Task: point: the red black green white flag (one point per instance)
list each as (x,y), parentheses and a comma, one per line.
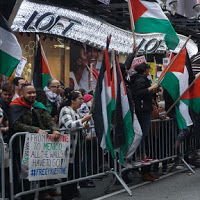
(10,50)
(41,72)
(176,82)
(103,104)
(192,97)
(148,17)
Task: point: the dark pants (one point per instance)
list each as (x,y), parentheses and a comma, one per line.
(68,191)
(144,119)
(17,180)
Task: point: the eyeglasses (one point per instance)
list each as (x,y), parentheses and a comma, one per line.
(55,86)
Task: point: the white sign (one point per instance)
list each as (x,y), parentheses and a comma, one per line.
(44,158)
(165,62)
(137,61)
(107,2)
(20,67)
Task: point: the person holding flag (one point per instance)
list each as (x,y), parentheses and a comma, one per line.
(142,95)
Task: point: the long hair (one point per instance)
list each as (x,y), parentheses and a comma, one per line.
(72,97)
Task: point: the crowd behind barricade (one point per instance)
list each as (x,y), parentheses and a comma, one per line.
(25,108)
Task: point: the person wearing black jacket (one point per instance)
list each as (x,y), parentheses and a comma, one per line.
(142,95)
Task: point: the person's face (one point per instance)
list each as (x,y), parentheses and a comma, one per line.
(7,97)
(29,94)
(92,55)
(54,87)
(146,73)
(20,83)
(61,90)
(77,102)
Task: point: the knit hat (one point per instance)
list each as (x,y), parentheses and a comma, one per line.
(87,98)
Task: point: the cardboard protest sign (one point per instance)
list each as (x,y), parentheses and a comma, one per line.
(137,61)
(44,158)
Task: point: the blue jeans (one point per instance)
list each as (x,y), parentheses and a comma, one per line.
(144,119)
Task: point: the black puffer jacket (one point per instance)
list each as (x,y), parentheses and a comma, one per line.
(142,97)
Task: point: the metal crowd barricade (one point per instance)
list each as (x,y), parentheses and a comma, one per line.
(2,169)
(160,146)
(93,162)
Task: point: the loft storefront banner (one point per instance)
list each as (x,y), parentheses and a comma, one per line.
(29,16)
(85,61)
(43,158)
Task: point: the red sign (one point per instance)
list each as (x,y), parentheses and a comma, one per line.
(137,61)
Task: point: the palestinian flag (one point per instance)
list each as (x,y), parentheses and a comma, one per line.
(176,81)
(123,127)
(103,105)
(10,50)
(192,97)
(41,72)
(148,17)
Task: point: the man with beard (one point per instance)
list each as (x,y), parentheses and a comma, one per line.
(28,115)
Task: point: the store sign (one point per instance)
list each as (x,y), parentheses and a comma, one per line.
(79,27)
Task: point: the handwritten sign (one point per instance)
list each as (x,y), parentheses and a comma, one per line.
(44,158)
(20,67)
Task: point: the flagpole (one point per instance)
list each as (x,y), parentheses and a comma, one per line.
(90,71)
(197,77)
(154,59)
(174,60)
(42,50)
(132,23)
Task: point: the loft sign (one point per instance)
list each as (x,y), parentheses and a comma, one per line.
(49,20)
(46,22)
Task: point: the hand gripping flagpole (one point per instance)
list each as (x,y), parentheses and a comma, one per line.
(172,62)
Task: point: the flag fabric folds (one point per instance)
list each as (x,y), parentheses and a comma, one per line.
(41,72)
(176,81)
(10,50)
(149,18)
(192,97)
(103,104)
(122,122)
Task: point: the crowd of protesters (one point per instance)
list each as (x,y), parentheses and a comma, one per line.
(27,109)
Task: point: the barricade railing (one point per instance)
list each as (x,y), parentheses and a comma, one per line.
(160,145)
(94,162)
(2,164)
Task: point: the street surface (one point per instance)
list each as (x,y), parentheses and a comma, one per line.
(179,186)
